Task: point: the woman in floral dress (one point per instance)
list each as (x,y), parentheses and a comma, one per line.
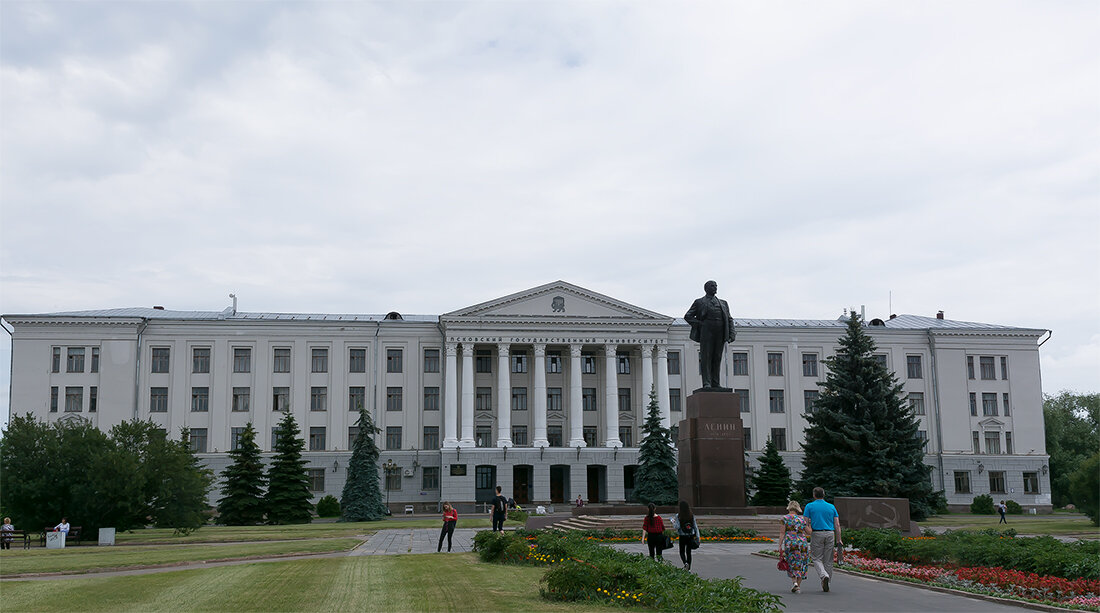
(795,544)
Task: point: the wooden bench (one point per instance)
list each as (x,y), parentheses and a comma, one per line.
(72,537)
(22,535)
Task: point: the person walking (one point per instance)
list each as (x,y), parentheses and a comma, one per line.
(794,547)
(653,531)
(1002,508)
(825,523)
(500,511)
(686,531)
(450,518)
(5,533)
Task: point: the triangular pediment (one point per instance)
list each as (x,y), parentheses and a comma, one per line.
(991,424)
(555,300)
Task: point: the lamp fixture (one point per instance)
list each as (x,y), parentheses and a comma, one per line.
(981,468)
(335,465)
(1044,469)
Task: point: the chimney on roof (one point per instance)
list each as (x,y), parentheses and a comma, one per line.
(892,315)
(158,308)
(939,315)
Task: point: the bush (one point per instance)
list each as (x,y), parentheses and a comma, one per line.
(518,516)
(328,507)
(982,505)
(1014,508)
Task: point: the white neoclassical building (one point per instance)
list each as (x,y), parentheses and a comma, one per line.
(543,392)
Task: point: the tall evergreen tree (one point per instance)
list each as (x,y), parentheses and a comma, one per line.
(862,436)
(361,499)
(773,480)
(288,494)
(180,502)
(655,481)
(242,501)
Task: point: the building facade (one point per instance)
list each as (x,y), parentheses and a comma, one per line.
(543,392)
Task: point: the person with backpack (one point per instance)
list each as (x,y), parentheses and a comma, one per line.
(653,531)
(687,531)
(500,511)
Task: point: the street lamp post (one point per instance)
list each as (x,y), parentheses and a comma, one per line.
(388,468)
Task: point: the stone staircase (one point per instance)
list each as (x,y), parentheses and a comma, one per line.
(765,525)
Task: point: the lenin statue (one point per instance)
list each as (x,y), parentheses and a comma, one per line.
(712,328)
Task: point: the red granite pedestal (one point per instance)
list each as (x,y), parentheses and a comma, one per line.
(711,444)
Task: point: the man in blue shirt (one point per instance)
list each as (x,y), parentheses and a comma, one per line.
(825,522)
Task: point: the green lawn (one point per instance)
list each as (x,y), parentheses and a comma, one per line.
(1060,524)
(70,559)
(456,582)
(233,534)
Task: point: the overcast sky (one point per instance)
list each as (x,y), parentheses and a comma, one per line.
(422,157)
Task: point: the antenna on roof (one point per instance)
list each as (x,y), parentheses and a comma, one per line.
(234,297)
(891,300)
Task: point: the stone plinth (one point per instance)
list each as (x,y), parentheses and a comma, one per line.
(711,469)
(875,513)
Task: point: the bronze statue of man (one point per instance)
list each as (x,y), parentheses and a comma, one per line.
(712,328)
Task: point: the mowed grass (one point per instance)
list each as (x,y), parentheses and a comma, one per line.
(1059,524)
(456,582)
(233,534)
(79,559)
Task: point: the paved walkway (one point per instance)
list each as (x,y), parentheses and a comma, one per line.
(414,540)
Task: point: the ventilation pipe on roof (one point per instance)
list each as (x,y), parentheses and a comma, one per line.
(939,315)
(157,307)
(234,297)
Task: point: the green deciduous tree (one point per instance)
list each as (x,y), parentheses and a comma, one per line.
(361,499)
(180,500)
(862,437)
(1084,488)
(242,501)
(287,499)
(773,480)
(655,480)
(1072,431)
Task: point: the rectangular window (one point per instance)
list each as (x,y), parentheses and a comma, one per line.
(622,360)
(969,367)
(242,399)
(235,438)
(553,361)
(588,399)
(809,364)
(353,433)
(519,398)
(242,359)
(483,477)
(200,399)
(93,399)
(431,398)
(975,441)
(1004,367)
(673,362)
(986,363)
(357,398)
(318,399)
(483,436)
(519,436)
(431,360)
(1004,403)
(589,434)
(743,397)
(430,478)
(880,358)
(962,482)
(197,437)
(357,360)
(922,436)
(394,360)
(809,398)
(553,436)
(993,442)
(55,363)
(53,399)
(274,437)
(280,398)
(674,400)
(431,437)
(75,360)
(989,403)
(996,482)
(316,479)
(483,361)
(779,438)
(739,364)
(519,361)
(161,359)
(916,403)
(1008,443)
(1031,483)
(393,437)
(913,367)
(95,359)
(775,364)
(973,404)
(158,400)
(282,360)
(317,438)
(483,399)
(748,437)
(626,436)
(624,400)
(319,359)
(775,401)
(588,364)
(553,399)
(200,360)
(393,480)
(394,400)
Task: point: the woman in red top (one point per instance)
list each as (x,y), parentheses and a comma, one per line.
(653,529)
(450,518)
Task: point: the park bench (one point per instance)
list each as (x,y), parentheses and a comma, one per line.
(19,535)
(73,536)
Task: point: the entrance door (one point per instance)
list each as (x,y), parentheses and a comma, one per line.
(559,483)
(597,483)
(522,476)
(628,481)
(485,482)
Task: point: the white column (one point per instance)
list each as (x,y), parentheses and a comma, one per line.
(576,416)
(647,376)
(504,397)
(450,397)
(611,398)
(662,386)
(540,396)
(467,395)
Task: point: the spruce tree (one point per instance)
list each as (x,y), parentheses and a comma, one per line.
(655,481)
(242,501)
(862,437)
(180,503)
(361,499)
(288,494)
(773,480)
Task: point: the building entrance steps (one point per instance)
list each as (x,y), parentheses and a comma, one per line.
(764,525)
